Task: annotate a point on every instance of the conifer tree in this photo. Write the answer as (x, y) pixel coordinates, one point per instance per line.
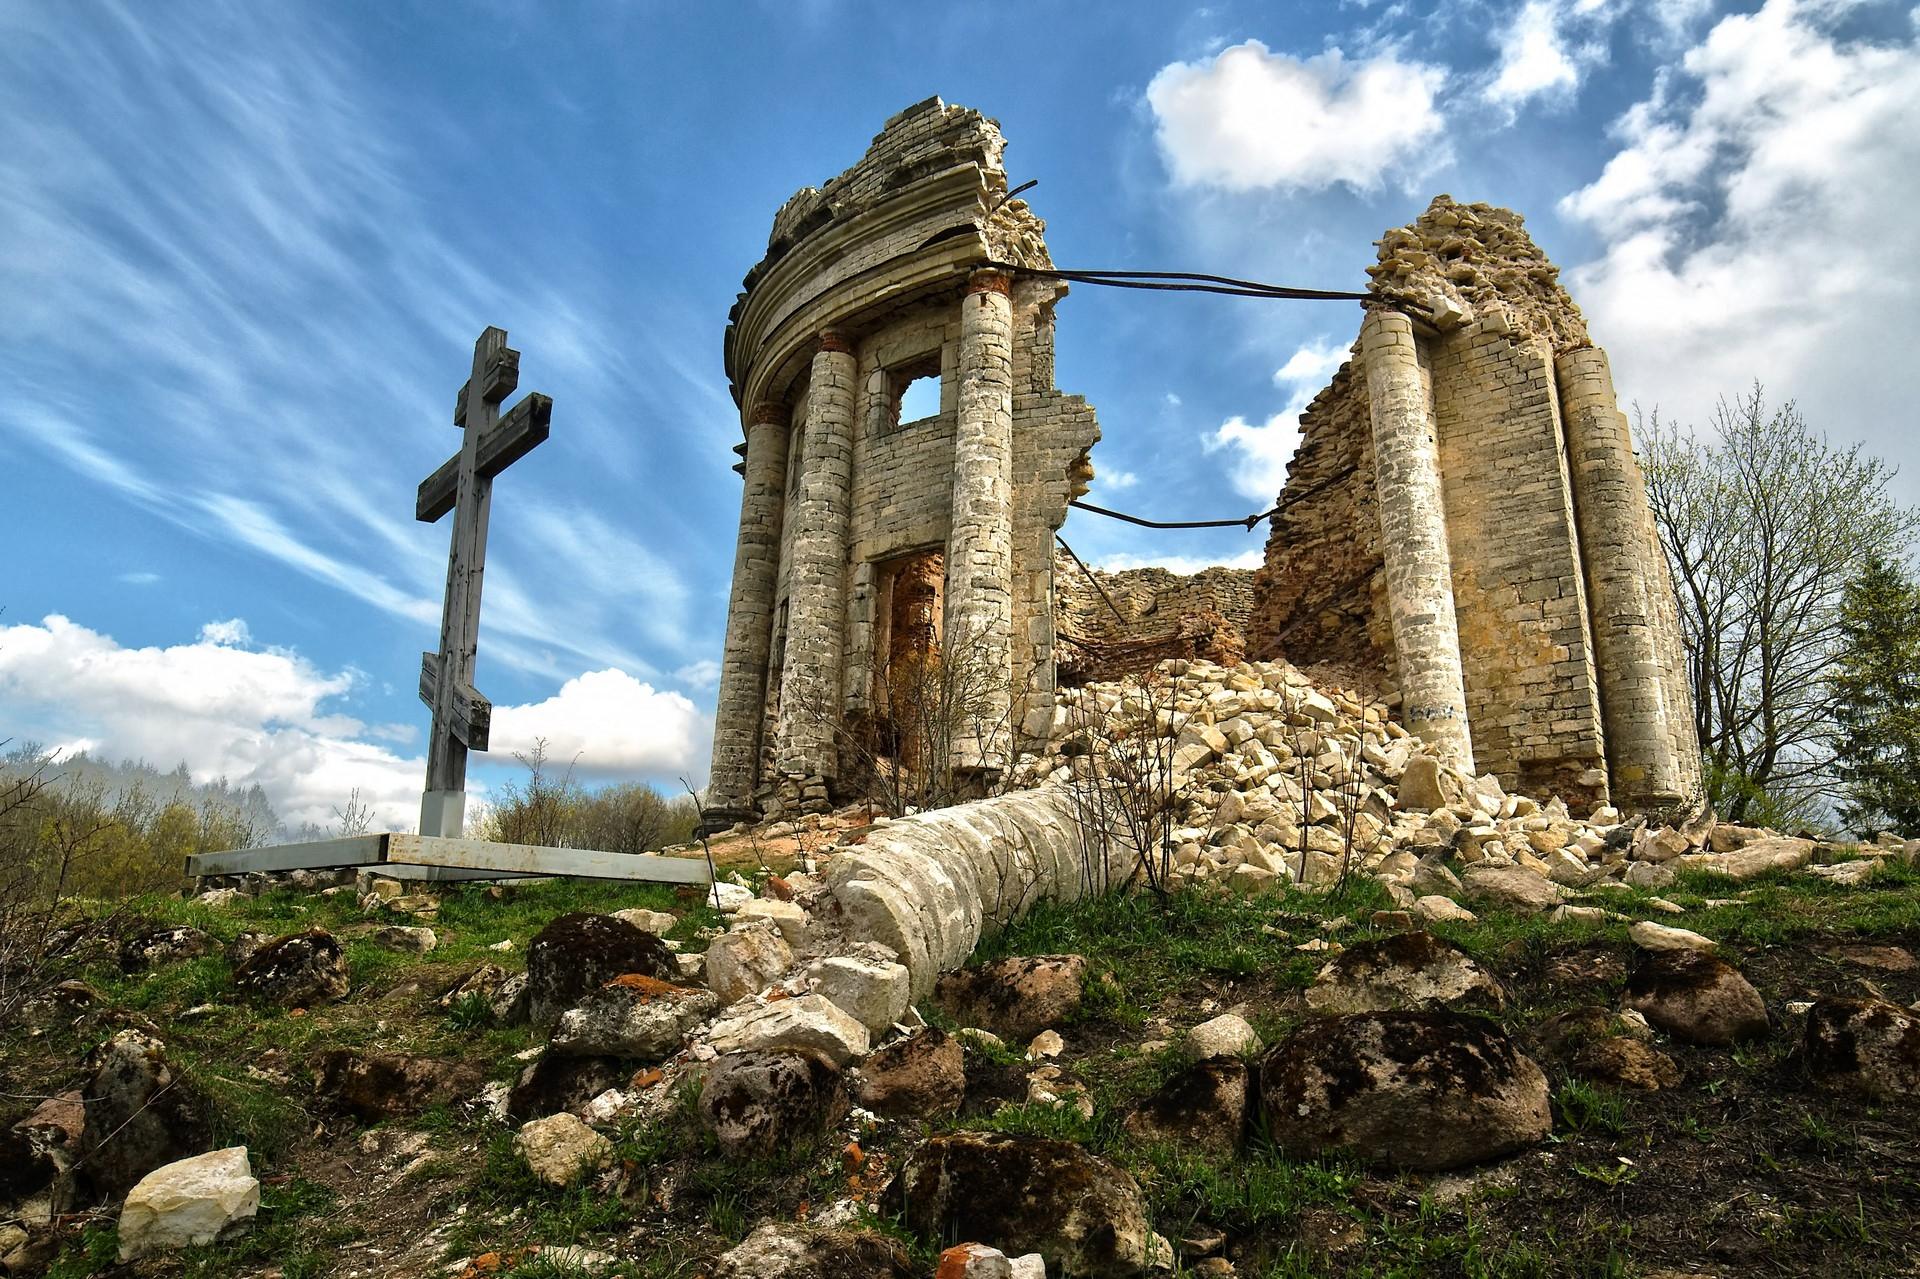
(1876, 687)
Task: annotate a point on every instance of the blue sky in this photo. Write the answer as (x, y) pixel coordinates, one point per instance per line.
(245, 250)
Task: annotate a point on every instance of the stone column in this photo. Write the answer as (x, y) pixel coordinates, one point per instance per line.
(743, 663)
(1413, 526)
(1616, 541)
(978, 621)
(810, 682)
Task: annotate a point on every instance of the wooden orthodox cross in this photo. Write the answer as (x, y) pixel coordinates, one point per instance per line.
(464, 485)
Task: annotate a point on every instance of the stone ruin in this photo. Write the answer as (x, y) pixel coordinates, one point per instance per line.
(1464, 532)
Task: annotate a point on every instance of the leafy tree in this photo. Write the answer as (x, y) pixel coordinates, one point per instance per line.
(1876, 691)
(1765, 523)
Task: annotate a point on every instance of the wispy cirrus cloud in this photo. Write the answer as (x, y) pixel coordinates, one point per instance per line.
(254, 329)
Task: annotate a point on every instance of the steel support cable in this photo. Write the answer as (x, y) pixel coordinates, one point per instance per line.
(1186, 282)
(1247, 522)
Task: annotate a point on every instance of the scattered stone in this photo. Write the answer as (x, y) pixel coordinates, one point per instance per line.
(1407, 970)
(783, 1250)
(1648, 935)
(1887, 959)
(1428, 785)
(296, 971)
(1513, 888)
(1017, 997)
(578, 953)
(1418, 1090)
(1203, 1106)
(376, 1086)
(1868, 1045)
(758, 1103)
(1432, 878)
(633, 1016)
(188, 1203)
(1049, 1086)
(407, 940)
(875, 990)
(790, 918)
(164, 946)
(1392, 921)
(809, 1022)
(728, 897)
(973, 1261)
(555, 1083)
(1609, 1048)
(1849, 874)
(1697, 998)
(1649, 875)
(921, 1076)
(1029, 1194)
(1435, 909)
(560, 1149)
(1759, 858)
(657, 922)
(747, 960)
(1228, 1035)
(140, 1114)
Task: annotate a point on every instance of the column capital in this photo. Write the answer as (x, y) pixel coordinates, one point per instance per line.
(990, 280)
(836, 341)
(768, 413)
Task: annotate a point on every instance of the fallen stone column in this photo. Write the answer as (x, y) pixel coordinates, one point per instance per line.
(932, 885)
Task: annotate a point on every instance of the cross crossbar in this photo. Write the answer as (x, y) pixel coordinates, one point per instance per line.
(523, 429)
(470, 714)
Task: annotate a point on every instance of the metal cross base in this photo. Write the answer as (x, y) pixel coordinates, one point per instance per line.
(436, 857)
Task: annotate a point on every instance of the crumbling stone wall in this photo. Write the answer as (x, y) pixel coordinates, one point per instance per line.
(1112, 624)
(903, 266)
(1503, 572)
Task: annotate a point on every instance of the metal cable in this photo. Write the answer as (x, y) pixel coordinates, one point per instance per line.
(1186, 282)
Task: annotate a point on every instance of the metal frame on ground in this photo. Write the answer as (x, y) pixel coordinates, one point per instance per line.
(444, 858)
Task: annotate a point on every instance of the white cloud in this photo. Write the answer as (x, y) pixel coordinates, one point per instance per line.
(607, 723)
(225, 710)
(1533, 56)
(232, 633)
(1262, 452)
(1752, 223)
(1116, 478)
(704, 673)
(1183, 564)
(139, 578)
(1249, 118)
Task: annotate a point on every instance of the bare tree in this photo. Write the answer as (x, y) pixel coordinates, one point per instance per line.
(1764, 523)
(1127, 784)
(932, 707)
(43, 845)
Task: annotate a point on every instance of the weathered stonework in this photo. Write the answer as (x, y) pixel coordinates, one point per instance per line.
(1465, 522)
(1108, 625)
(878, 277)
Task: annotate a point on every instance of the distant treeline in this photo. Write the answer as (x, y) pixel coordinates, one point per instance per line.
(73, 825)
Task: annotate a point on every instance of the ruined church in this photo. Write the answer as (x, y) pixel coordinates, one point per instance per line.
(1465, 526)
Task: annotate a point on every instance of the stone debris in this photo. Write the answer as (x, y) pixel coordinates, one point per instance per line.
(1872, 1045)
(296, 971)
(759, 1103)
(140, 1114)
(1648, 935)
(1084, 1215)
(1420, 1090)
(870, 987)
(746, 959)
(922, 1075)
(1407, 970)
(578, 953)
(1204, 1106)
(1016, 997)
(1228, 1035)
(188, 1203)
(1697, 998)
(634, 1017)
(560, 1149)
(806, 1022)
